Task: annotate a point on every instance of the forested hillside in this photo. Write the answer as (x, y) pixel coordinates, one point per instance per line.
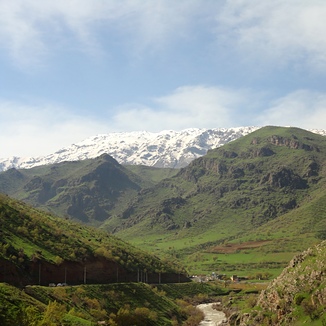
(37, 248)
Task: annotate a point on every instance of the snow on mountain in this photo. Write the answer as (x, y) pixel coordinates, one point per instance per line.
(173, 149)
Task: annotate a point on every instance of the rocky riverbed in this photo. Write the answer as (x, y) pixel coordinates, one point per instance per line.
(213, 317)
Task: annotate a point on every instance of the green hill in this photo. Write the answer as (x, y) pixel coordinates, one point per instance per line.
(37, 248)
(109, 281)
(262, 195)
(89, 191)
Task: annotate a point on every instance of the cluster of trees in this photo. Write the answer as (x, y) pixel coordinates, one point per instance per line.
(132, 317)
(56, 313)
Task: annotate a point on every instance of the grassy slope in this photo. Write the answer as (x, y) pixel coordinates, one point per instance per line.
(169, 304)
(26, 232)
(242, 214)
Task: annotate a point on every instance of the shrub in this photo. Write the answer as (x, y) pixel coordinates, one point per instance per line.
(309, 309)
(251, 301)
(126, 316)
(53, 314)
(299, 297)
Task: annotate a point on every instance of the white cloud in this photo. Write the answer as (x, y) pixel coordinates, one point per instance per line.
(303, 108)
(212, 107)
(276, 31)
(39, 130)
(186, 107)
(31, 29)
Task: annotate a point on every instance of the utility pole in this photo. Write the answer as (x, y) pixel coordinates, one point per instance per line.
(39, 273)
(85, 272)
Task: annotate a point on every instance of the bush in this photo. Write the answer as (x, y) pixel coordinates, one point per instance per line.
(251, 300)
(309, 309)
(194, 315)
(299, 297)
(129, 317)
(321, 235)
(53, 314)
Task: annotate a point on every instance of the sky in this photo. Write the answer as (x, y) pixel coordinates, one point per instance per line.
(71, 69)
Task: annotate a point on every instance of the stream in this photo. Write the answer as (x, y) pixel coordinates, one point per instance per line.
(213, 317)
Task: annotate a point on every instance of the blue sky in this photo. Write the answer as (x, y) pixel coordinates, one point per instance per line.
(70, 69)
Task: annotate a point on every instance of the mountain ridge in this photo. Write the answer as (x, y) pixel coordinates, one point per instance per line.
(168, 149)
(165, 149)
(234, 167)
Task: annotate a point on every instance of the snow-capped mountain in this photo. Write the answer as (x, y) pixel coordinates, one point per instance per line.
(168, 148)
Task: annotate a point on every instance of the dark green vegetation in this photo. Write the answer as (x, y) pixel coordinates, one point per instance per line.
(296, 297)
(116, 304)
(245, 208)
(37, 248)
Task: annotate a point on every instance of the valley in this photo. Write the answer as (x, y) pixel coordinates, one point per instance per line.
(243, 210)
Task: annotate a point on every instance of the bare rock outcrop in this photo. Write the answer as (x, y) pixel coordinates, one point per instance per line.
(299, 292)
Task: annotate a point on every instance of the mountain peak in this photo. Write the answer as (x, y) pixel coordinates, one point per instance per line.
(167, 148)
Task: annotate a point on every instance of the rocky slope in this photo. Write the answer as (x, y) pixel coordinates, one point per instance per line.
(297, 296)
(258, 177)
(85, 190)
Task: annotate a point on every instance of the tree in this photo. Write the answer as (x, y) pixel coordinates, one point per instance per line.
(53, 314)
(30, 316)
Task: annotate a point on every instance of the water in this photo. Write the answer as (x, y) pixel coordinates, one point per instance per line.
(213, 317)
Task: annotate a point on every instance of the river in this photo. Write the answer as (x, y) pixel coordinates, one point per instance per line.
(213, 317)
